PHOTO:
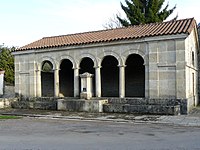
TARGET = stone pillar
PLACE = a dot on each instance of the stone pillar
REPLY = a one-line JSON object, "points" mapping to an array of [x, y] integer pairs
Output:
{"points": [[98, 81], [56, 82], [86, 85], [76, 82], [38, 84], [146, 80], [121, 81], [1, 82]]}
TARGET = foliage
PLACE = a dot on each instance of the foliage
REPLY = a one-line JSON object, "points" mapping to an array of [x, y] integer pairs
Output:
{"points": [[47, 66], [7, 63], [113, 22], [144, 11]]}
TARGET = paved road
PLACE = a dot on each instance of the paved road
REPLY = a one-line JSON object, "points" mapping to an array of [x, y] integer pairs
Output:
{"points": [[55, 134]]}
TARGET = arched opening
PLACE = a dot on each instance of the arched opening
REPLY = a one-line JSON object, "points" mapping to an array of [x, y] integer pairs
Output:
{"points": [[87, 65], [66, 78], [135, 76], [110, 77], [47, 79]]}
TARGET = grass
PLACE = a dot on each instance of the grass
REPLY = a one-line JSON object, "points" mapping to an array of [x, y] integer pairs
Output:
{"points": [[9, 117]]}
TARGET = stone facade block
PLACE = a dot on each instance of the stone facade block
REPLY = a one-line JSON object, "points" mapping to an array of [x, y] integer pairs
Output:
{"points": [[171, 45], [180, 45], [81, 105]]}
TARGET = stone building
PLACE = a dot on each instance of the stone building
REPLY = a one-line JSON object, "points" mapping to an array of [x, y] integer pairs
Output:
{"points": [[151, 61], [198, 27]]}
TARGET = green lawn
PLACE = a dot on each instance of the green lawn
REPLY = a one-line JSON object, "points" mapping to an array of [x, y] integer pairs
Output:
{"points": [[9, 117]]}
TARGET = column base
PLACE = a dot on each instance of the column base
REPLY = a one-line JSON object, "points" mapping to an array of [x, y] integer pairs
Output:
{"points": [[86, 95]]}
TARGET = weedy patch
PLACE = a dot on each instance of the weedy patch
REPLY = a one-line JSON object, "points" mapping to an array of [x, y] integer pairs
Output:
{"points": [[9, 117]]}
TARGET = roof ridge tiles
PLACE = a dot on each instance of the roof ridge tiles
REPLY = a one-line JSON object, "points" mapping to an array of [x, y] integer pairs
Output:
{"points": [[104, 30], [80, 33]]}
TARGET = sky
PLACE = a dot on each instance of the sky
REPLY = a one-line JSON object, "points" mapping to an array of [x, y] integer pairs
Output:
{"points": [[25, 21]]}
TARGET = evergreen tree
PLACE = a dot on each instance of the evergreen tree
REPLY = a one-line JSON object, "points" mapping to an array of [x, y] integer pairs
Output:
{"points": [[144, 11], [7, 63]]}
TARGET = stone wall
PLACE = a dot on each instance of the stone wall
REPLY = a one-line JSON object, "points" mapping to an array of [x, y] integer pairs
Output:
{"points": [[147, 106], [8, 97], [9, 91], [7, 102], [116, 105], [44, 103]]}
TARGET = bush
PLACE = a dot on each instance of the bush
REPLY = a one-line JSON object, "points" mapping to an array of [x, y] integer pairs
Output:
{"points": [[7, 64]]}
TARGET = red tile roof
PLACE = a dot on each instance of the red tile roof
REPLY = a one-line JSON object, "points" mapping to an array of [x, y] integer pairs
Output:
{"points": [[133, 32]]}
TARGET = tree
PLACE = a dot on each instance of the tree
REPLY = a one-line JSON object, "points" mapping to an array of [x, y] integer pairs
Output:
{"points": [[144, 11], [113, 22], [7, 63]]}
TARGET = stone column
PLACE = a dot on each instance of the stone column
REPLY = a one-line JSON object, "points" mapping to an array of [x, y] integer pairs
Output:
{"points": [[2, 82], [121, 81], [76, 82], [98, 81], [146, 80], [56, 82], [38, 84]]}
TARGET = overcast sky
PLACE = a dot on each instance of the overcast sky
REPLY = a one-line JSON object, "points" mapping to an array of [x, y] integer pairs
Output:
{"points": [[25, 21]]}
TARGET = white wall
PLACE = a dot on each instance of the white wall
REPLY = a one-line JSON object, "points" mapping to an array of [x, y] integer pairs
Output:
{"points": [[1, 83], [191, 48]]}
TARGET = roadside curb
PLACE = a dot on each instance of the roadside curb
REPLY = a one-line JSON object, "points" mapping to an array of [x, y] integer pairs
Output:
{"points": [[181, 120], [77, 118]]}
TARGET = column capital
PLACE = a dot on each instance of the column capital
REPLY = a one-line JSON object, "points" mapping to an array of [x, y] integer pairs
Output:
{"points": [[145, 64], [97, 67], [38, 70], [121, 65], [56, 69], [76, 68]]}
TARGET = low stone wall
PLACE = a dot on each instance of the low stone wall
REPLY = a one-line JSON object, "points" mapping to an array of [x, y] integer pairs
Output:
{"points": [[9, 91], [117, 105], [7, 102], [45, 103], [142, 109], [147, 106]]}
